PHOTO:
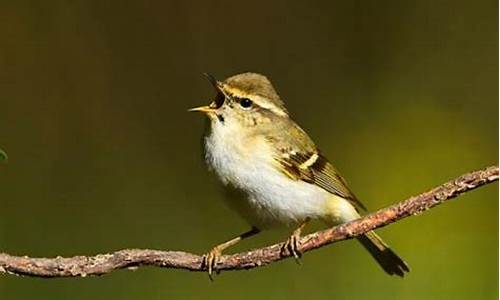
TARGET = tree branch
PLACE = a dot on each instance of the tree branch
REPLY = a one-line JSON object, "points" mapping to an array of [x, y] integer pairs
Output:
{"points": [[131, 258]]}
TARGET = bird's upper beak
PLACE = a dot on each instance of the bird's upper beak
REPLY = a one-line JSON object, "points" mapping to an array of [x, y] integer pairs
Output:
{"points": [[216, 84]]}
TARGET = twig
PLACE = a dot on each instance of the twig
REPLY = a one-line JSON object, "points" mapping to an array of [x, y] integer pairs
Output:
{"points": [[131, 258]]}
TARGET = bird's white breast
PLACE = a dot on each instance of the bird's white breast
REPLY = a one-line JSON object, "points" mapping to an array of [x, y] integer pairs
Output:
{"points": [[270, 196]]}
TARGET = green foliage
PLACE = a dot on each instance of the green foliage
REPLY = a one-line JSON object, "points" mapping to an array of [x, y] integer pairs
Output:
{"points": [[3, 156]]}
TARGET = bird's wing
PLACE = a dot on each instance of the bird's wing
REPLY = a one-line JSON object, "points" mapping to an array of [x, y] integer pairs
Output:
{"points": [[299, 159]]}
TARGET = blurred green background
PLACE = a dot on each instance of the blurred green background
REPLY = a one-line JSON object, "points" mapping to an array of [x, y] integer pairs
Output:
{"points": [[401, 95]]}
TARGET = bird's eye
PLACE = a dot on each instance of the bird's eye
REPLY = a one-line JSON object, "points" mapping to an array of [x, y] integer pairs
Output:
{"points": [[246, 103]]}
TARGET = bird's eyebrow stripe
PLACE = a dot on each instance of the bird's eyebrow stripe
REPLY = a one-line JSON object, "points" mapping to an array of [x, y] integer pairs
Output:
{"points": [[257, 100]]}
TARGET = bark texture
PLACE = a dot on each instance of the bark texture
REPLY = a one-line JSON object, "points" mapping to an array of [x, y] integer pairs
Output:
{"points": [[81, 266]]}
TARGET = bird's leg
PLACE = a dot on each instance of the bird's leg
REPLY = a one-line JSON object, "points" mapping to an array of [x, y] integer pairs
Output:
{"points": [[292, 244], [212, 257]]}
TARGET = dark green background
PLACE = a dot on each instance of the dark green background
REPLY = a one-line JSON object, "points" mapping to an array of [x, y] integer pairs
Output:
{"points": [[401, 95]]}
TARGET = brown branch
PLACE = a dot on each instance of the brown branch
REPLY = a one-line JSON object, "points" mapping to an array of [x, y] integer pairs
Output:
{"points": [[131, 258]]}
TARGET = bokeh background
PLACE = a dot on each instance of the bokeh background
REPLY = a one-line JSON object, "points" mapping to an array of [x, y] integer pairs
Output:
{"points": [[401, 95]]}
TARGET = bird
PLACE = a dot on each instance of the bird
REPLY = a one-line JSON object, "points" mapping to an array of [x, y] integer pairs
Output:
{"points": [[279, 176]]}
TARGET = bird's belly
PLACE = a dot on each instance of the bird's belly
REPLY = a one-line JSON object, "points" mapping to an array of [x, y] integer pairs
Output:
{"points": [[269, 196], [276, 199]]}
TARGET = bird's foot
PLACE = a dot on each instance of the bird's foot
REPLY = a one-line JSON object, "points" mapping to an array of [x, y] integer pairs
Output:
{"points": [[292, 245], [210, 261]]}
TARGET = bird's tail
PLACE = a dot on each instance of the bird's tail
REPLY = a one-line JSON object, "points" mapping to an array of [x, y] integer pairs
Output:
{"points": [[386, 258]]}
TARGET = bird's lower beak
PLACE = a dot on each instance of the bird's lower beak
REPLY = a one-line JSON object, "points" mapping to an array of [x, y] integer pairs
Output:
{"points": [[204, 109]]}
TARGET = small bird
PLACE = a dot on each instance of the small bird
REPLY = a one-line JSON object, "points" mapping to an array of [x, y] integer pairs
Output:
{"points": [[256, 149]]}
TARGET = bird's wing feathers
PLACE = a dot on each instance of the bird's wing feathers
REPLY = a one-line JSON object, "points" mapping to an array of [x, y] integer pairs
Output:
{"points": [[299, 159]]}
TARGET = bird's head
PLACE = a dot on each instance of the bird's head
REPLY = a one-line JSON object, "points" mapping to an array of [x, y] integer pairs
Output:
{"points": [[244, 102]]}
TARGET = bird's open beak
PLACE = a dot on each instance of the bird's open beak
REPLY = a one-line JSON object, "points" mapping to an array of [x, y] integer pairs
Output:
{"points": [[212, 108], [208, 109]]}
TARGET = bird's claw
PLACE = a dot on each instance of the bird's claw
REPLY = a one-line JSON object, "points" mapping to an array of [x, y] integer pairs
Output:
{"points": [[292, 245]]}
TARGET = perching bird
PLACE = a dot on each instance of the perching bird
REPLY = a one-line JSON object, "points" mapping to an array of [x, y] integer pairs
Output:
{"points": [[257, 149]]}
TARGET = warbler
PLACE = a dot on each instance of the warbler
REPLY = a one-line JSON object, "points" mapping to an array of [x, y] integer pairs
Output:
{"points": [[255, 148]]}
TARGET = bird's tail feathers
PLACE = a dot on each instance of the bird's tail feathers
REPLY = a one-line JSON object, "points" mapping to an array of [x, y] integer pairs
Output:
{"points": [[386, 258]]}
